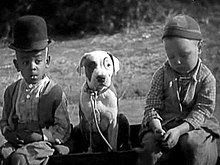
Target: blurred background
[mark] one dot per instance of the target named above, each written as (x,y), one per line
(80,17)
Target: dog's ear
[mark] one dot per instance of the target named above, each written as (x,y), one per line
(116,63)
(81,64)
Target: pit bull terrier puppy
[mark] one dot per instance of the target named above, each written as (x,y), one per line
(98,101)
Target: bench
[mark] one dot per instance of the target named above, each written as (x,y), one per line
(108,158)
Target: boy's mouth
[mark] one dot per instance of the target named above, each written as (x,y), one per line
(33,77)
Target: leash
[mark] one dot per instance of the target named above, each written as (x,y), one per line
(93,98)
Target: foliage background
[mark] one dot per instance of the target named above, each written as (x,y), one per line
(80,17)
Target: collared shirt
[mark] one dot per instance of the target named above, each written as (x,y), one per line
(204,98)
(27,100)
(56,126)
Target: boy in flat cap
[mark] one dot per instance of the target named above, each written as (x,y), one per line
(178,126)
(35,120)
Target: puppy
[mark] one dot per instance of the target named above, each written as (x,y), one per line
(98,100)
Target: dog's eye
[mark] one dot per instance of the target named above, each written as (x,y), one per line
(107,63)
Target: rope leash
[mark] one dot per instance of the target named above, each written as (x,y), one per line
(93,98)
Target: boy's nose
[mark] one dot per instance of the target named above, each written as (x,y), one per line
(33,65)
(178,62)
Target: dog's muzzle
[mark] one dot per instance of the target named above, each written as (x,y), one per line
(100,79)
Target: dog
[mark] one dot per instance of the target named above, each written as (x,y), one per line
(98,100)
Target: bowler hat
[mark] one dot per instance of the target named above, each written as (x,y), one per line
(30,34)
(182,26)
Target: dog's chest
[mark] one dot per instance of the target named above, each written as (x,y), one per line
(105,106)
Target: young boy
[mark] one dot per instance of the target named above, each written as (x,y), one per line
(178,125)
(35,119)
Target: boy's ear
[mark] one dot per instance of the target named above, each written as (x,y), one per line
(16,65)
(200,43)
(48,61)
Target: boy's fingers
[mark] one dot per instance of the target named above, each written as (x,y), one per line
(21,141)
(165,136)
(168,144)
(163,132)
(159,132)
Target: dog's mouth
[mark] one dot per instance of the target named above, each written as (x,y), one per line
(101,85)
(102,81)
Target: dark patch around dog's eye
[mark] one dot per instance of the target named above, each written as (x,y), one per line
(89,68)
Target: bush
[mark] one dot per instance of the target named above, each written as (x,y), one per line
(67,17)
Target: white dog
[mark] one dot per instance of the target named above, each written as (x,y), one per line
(98,100)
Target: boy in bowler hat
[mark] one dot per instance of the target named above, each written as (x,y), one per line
(178,126)
(35,120)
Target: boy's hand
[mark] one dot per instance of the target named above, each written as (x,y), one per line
(12,138)
(156,127)
(159,133)
(29,137)
(171,138)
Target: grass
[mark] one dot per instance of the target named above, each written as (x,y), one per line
(140,53)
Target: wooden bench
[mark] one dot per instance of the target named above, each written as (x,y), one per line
(106,158)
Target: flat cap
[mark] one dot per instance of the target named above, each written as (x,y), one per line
(182,26)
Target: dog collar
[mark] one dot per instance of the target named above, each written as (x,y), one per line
(92,91)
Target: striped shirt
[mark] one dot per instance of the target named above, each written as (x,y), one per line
(27,101)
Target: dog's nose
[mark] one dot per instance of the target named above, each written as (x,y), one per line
(100,79)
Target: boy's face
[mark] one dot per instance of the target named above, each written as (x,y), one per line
(182,53)
(32,65)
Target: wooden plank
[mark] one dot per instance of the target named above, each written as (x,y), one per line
(99,158)
(107,158)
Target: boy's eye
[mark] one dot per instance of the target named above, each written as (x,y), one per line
(185,54)
(171,56)
(38,61)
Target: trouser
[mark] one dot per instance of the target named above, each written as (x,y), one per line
(196,147)
(37,153)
